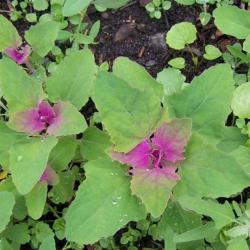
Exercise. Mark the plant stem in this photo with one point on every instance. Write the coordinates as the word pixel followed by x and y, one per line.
pixel 53 211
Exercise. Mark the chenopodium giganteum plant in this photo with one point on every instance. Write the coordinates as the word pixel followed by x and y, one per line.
pixel 154 149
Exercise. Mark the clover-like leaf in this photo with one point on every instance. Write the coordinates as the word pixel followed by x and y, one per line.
pixel 212 52
pixel 180 35
pixel 178 62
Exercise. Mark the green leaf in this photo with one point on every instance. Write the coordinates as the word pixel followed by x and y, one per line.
pixel 178 62
pixel 204 96
pixel 5 245
pixel 40 4
pixel 73 7
pixel 110 4
pixel 68 122
pixel 185 2
pixel 232 21
pixel 42 37
pixel 205 17
pixel 212 52
pixel 238 244
pixel 171 79
pixel 13 80
pixel 154 190
pixel 134 115
pixel 137 78
pixel 60 155
pixel 18 233
pixel 94 144
pixel 180 220
pixel 28 161
pixel 9 36
pixel 8 139
pixel 180 35
pixel 48 244
pixel 6 207
pixel 241 101
pixel 42 231
pixel 246 44
pixel 208 172
pixel 76 74
pixel 104 199
pixel 36 199
pixel 169 243
pixel 222 214
pixel 64 190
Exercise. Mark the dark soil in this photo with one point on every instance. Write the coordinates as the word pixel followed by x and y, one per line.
pixel 145 41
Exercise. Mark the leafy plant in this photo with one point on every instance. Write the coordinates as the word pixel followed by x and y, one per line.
pixel 155 8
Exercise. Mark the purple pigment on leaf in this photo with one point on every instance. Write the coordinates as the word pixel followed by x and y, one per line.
pixel 50 176
pixel 161 153
pixel 19 55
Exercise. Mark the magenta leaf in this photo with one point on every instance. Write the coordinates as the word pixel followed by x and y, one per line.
pixel 138 157
pixel 50 176
pixel 21 55
pixel 154 163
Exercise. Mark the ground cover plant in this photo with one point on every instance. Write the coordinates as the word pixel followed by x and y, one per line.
pixel 124 125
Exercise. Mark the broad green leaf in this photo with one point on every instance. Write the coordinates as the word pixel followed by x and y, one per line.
pixel 73 7
pixel 172 80
pixel 222 214
pixel 9 36
pixel 199 233
pixel 232 20
pixel 36 199
pixel 238 244
pixel 61 155
pixel 241 101
pixel 48 244
pixel 73 79
pixel 18 233
pixel 103 199
pixel 137 78
pixel 94 144
pixel 110 4
pixel 180 220
pixel 19 210
pixel 5 245
pixel 208 172
pixel 68 122
pixel 212 52
pixel 180 35
pixel 154 190
pixel 28 161
pixel 42 36
pixel 200 101
pixel 8 139
pixel 134 115
pixel 246 44
pixel 42 231
pixel 178 63
pixel 169 243
pixel 6 207
pixel 64 190
pixel 13 80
